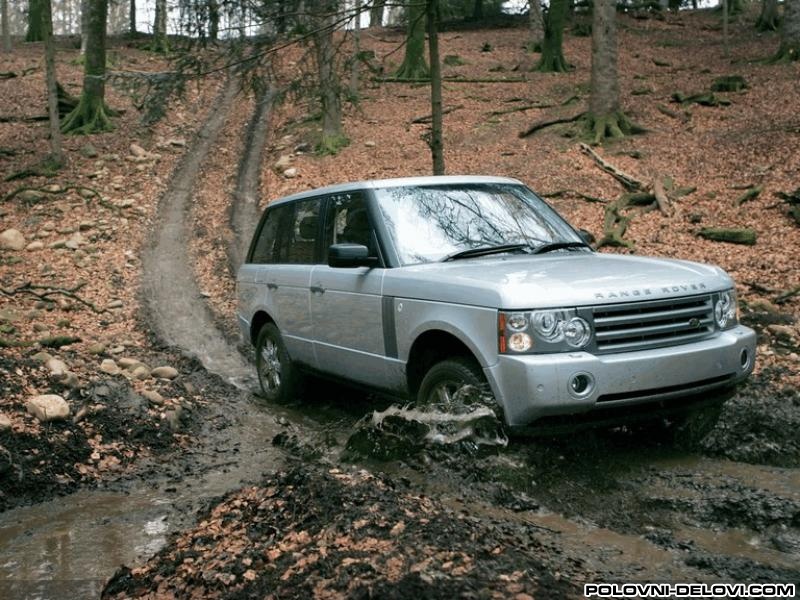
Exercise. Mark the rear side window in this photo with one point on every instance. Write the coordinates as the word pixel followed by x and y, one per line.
pixel 289 234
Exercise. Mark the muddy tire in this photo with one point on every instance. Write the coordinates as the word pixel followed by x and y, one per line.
pixel 690 428
pixel 278 377
pixel 442 381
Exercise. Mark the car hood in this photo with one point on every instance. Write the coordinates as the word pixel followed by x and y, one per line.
pixel 547 281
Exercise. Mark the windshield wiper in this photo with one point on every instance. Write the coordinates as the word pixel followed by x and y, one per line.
pixel 485 250
pixel 559 246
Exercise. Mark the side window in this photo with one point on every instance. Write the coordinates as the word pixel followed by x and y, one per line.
pixel 289 234
pixel 347 222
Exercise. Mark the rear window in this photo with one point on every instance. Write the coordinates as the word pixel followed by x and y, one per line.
pixel 289 234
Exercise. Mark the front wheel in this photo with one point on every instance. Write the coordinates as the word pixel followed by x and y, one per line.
pixel 456 386
pixel 277 375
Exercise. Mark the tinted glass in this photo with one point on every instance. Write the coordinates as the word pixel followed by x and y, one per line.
pixel 428 223
pixel 289 234
pixel 347 221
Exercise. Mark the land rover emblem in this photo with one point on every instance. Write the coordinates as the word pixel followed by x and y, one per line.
pixel 694 323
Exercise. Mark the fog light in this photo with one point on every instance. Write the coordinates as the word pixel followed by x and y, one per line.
pixel 581 384
pixel 744 359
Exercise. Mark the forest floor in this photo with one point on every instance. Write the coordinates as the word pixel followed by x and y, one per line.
pixel 537 517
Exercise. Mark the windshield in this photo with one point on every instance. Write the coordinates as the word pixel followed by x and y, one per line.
pixel 431 223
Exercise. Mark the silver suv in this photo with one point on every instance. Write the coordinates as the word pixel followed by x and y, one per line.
pixel 418 286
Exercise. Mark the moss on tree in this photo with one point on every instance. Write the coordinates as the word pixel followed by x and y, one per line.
pixel 414 65
pixel 552 59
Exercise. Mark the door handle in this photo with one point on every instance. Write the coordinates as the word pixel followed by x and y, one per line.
pixel 317 289
pixel 272 286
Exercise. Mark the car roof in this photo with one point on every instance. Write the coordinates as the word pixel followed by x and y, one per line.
pixel 372 184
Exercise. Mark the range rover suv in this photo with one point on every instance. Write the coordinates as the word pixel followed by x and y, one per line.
pixel 420 286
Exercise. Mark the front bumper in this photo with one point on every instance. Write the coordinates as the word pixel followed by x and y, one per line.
pixel 537 385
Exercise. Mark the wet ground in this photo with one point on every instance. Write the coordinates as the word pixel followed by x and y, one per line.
pixel 624 504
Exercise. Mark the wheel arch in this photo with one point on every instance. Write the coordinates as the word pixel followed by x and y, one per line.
pixel 260 319
pixel 430 347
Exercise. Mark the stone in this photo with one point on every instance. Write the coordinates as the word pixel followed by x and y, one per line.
pixel 784 332
pixel 290 173
pixel 57 244
pixel 283 163
pixel 58 368
pixel 164 373
pixel 128 363
pixel 369 144
pixel 12 239
pixel 179 142
pixel 88 151
pixel 762 305
pixel 153 397
pixel 173 417
pixel 35 245
pixel 70 380
pixel 41 358
pixel 137 150
pixel 5 422
pixel 109 366
pixel 115 304
pixel 141 372
pixel 96 348
pixel 48 407
pixel 30 196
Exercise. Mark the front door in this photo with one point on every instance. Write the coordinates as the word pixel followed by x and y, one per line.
pixel 346 302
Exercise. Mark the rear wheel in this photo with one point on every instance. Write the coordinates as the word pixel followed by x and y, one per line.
pixel 277 375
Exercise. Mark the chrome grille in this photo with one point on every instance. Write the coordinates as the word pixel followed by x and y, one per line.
pixel 650 324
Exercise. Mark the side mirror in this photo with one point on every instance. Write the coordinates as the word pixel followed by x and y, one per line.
pixel 587 236
pixel 349 256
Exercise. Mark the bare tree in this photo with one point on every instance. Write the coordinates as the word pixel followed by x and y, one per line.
pixel 323 22
pixel 160 28
pixel 35 22
pixel 132 18
pixel 84 25
pixel 536 26
pixel 790 33
pixel 91 115
pixel 357 45
pixel 605 113
pixel 552 60
pixel 768 19
pixel 6 28
pixel 414 66
pixel 56 153
pixel 436 142
pixel 376 13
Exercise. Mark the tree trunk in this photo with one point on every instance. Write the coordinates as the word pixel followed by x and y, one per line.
pixel 477 10
pixel 768 19
pixel 132 18
pixel 84 25
pixel 160 28
pixel 357 51
pixel 56 153
pixel 725 11
pixel 376 13
pixel 552 60
pixel 91 115
pixel 35 22
pixel 213 19
pixel 6 28
pixel 790 33
pixel 414 66
pixel 329 92
pixel 437 144
pixel 605 115
pixel 536 26
pixel 735 7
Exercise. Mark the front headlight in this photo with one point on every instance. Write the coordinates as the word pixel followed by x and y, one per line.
pixel 542 331
pixel 725 310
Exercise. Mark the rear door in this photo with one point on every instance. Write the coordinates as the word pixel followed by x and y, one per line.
pixel 286 251
pixel 346 302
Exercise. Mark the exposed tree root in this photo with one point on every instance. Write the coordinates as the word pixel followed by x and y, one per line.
pixel 701 98
pixel 93 193
pixel 732 236
pixel 428 118
pixel 793 200
pixel 451 80
pixel 751 194
pixel 683 116
pixel 90 116
pixel 539 125
pixel 786 53
pixel 629 182
pixel 785 296
pixel 614 126
pixel 729 83
pixel 43 292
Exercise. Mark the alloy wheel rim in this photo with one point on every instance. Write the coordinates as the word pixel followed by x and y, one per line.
pixel 270 367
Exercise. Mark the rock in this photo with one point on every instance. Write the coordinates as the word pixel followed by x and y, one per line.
pixel 70 380
pixel 109 366
pixel 53 188
pixel 58 368
pixel 39 327
pixel 75 241
pixel 12 239
pixel 115 304
pixel 42 358
pixel 128 363
pixel 141 372
pixel 180 142
pixel 30 196
pixel 173 417
pixel 137 150
pixel 5 422
pixel 88 151
pixel 164 373
pixel 57 244
pixel 283 163
pixel 782 332
pixel 96 348
pixel 48 407
pixel 35 245
pixel 290 173
pixel 369 144
pixel 762 305
pixel 302 147
pixel 153 397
